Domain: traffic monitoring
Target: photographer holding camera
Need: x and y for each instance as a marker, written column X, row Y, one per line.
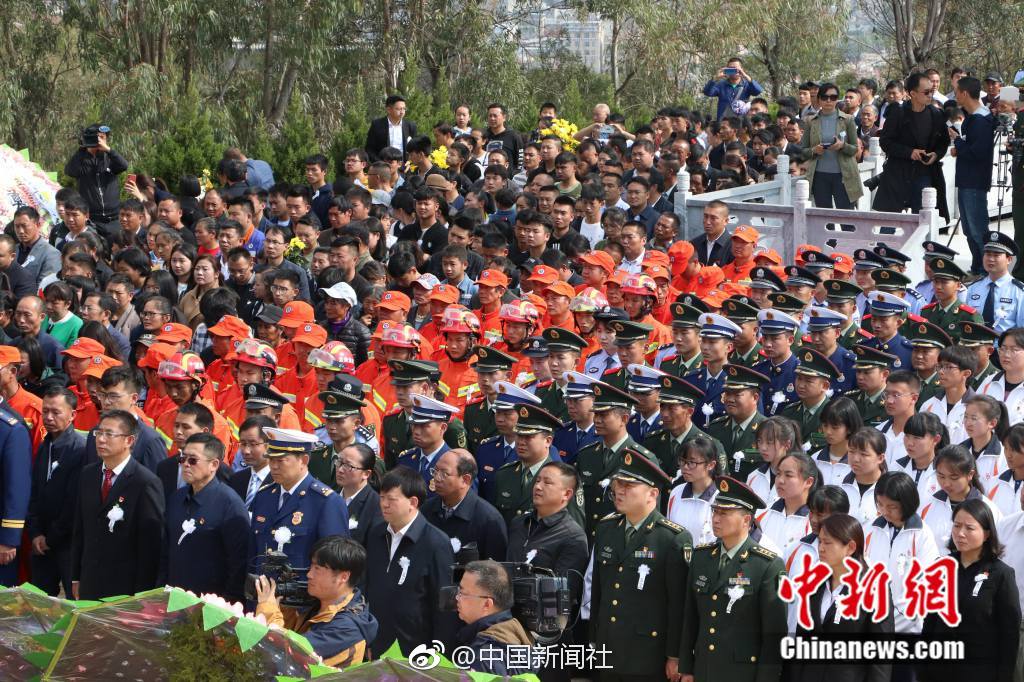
column 340, row 625
column 96, row 167
column 484, row 603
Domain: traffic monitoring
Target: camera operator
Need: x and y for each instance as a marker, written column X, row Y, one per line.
column 973, row 143
column 340, row 626
column 484, row 603
column 96, row 167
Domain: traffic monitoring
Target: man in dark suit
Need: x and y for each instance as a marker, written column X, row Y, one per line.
column 253, row 446
column 391, row 130
column 119, row 518
column 51, row 511
column 207, row 526
column 119, row 390
column 713, row 247
column 192, row 418
column 408, row 562
column 476, row 529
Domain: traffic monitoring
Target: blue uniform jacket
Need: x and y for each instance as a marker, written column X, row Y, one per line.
column 845, row 360
column 15, row 483
column 898, row 346
column 493, row 454
column 570, row 439
column 712, row 387
column 312, row 512
column 782, row 380
column 212, row 557
column 638, row 428
column 415, row 459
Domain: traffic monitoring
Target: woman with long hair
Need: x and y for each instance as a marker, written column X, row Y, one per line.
column 923, row 436
column 207, row 276
column 840, row 542
column 183, row 258
column 957, row 475
column 776, row 438
column 988, row 602
column 867, row 464
column 986, row 424
column 786, row 520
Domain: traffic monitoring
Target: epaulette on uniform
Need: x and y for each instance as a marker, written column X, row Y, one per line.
column 318, row 487
column 610, row 370
column 808, row 539
column 590, row 445
column 865, row 333
column 403, row 453
column 474, row 401
column 766, row 553
column 721, row 419
column 1017, row 283
column 675, row 527
column 912, row 317
column 665, row 345
column 509, row 465
column 366, row 431
column 930, row 305
column 706, row 545
column 567, row 424
column 614, row 516
column 968, row 309
column 490, row 439
column 393, row 411
column 914, row 293
column 265, row 486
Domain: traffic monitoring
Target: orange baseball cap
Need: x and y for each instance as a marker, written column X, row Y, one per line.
column 542, row 305
column 378, row 333
column 560, row 287
column 296, row 314
column 10, row 354
column 444, row 293
column 657, row 270
column 770, row 255
column 157, row 353
column 232, row 326
column 80, row 348
column 715, row 298
column 617, row 278
column 679, row 256
column 655, row 257
column 99, row 365
column 734, row 289
column 493, row 278
column 710, row 276
column 800, row 250
column 174, row 332
column 395, row 300
column 746, row 233
column 543, row 274
column 601, row 259
column 844, row 262
column 313, row 334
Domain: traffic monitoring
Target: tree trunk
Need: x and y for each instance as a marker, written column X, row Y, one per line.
column 613, row 54
column 268, row 72
column 291, row 74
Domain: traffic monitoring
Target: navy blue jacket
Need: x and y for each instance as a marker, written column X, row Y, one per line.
column 51, row 511
column 974, row 152
column 212, row 557
column 363, row 513
column 475, row 527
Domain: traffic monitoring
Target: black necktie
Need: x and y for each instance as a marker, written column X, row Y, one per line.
column 989, row 311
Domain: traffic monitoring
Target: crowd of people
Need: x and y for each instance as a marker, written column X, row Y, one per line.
column 488, row 345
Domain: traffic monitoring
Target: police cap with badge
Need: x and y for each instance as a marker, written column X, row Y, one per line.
column 772, row 321
column 1003, row 243
column 283, row 442
column 563, row 340
column 816, row 261
column 258, row 397
column 884, row 304
column 578, row 385
column 763, row 277
column 889, row 280
column 509, row 396
column 426, row 409
column 935, row 250
column 406, row 372
column 536, row 347
column 891, row 256
column 820, row 318
column 715, row 326
column 343, row 397
column 535, row 419
column 693, row 301
column 797, row 276
column 492, row 360
column 866, row 259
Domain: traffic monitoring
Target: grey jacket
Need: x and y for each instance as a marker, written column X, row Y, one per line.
column 42, row 260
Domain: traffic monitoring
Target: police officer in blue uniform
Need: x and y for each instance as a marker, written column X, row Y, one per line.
column 429, row 421
column 795, row 308
column 499, row 450
column 579, row 431
column 536, row 348
column 823, row 266
column 886, row 317
column 644, row 384
column 207, row 526
column 864, row 261
column 292, row 513
column 600, row 361
column 15, row 486
column 777, row 332
column 717, row 333
column 824, row 326
column 999, row 296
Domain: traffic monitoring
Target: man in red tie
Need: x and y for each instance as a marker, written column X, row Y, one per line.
column 118, row 532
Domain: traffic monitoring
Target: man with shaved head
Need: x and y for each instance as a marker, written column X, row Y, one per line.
column 28, row 318
column 476, row 529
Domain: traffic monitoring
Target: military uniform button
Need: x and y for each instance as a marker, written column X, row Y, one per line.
column 714, row 597
column 654, row 634
column 615, row 602
column 714, row 613
column 613, row 619
column 595, row 516
column 620, row 569
column 711, row 647
column 753, row 659
column 711, row 631
column 616, row 586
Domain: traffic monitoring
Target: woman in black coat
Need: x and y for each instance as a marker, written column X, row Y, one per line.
column 987, row 600
column 914, row 125
column 841, row 537
column 357, row 479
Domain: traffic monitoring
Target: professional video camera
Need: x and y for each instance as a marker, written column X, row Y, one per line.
column 541, row 600
column 290, row 587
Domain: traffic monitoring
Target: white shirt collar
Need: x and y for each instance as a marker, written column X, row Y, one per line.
column 294, row 487
column 120, row 467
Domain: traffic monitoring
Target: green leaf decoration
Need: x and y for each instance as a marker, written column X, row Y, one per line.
column 249, row 632
column 445, row 663
column 316, row 670
column 214, row 616
column 61, row 624
column 394, row 651
column 287, row 678
column 118, row 597
column 50, row 640
column 299, row 641
column 480, row 677
column 180, row 599
column 29, row 587
column 40, row 659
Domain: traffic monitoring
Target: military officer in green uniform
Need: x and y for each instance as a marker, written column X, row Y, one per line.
column 564, row 350
column 513, row 484
column 794, row 307
column 411, row 377
column 872, row 370
column 982, row 339
column 734, row 618
column 678, row 400
column 814, row 377
column 631, row 340
column 926, row 341
column 841, row 297
column 763, row 283
column 683, row 355
column 894, row 282
column 737, row 430
column 491, row 366
column 947, row 312
column 598, row 461
column 343, row 402
column 639, row 576
column 746, row 349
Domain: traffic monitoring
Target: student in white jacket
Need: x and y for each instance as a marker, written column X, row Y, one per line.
column 867, row 461
column 986, row 423
column 1008, row 386
column 840, row 419
column 1006, row 489
column 957, row 475
column 923, row 436
column 689, row 503
column 785, row 521
column 897, row 537
column 956, row 365
column 902, row 390
column 776, row 438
